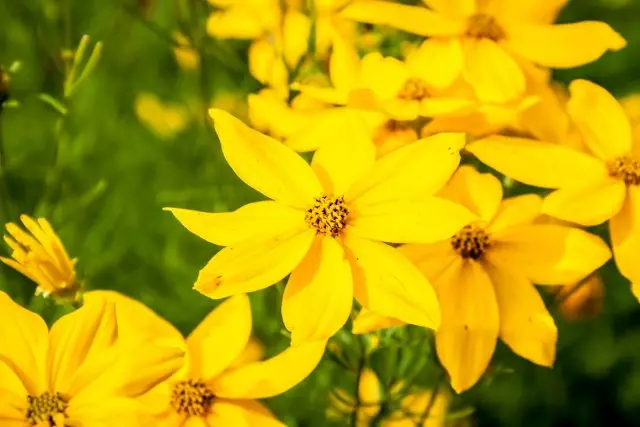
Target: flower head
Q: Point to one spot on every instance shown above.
(163, 119)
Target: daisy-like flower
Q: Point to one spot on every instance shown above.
(596, 185)
(163, 119)
(325, 225)
(77, 374)
(38, 253)
(486, 42)
(483, 276)
(223, 373)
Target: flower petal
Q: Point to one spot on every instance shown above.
(400, 174)
(563, 46)
(271, 377)
(525, 324)
(467, 337)
(255, 221)
(235, 23)
(431, 259)
(387, 283)
(481, 193)
(415, 20)
(446, 52)
(264, 163)
(369, 321)
(537, 163)
(228, 326)
(549, 254)
(600, 118)
(253, 265)
(515, 211)
(625, 236)
(461, 8)
(296, 28)
(428, 220)
(344, 64)
(493, 74)
(319, 295)
(241, 413)
(534, 11)
(587, 205)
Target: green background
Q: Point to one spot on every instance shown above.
(102, 178)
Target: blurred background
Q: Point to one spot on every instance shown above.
(135, 139)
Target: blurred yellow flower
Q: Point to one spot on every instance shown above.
(487, 42)
(594, 186)
(483, 276)
(39, 254)
(164, 120)
(186, 56)
(581, 300)
(342, 403)
(415, 406)
(326, 224)
(392, 135)
(77, 373)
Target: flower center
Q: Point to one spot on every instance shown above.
(483, 26)
(192, 398)
(626, 169)
(471, 241)
(328, 215)
(47, 408)
(414, 89)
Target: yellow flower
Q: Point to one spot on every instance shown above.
(486, 42)
(164, 120)
(342, 403)
(581, 300)
(392, 135)
(483, 276)
(39, 254)
(223, 375)
(593, 187)
(414, 407)
(325, 225)
(186, 56)
(77, 373)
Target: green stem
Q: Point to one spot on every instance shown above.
(361, 365)
(430, 405)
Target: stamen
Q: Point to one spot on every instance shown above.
(626, 169)
(483, 26)
(414, 89)
(328, 215)
(192, 398)
(46, 408)
(471, 241)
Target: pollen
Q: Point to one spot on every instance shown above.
(414, 89)
(192, 398)
(328, 215)
(471, 241)
(626, 169)
(483, 26)
(48, 409)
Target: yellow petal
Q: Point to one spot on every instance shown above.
(459, 8)
(344, 65)
(370, 321)
(387, 283)
(384, 76)
(600, 118)
(534, 11)
(253, 352)
(467, 337)
(296, 27)
(415, 20)
(271, 114)
(446, 52)
(428, 220)
(27, 334)
(98, 411)
(255, 221)
(586, 205)
(538, 163)
(481, 193)
(264, 163)
(235, 23)
(240, 413)
(525, 324)
(625, 236)
(271, 377)
(253, 265)
(228, 326)
(517, 210)
(266, 65)
(338, 163)
(13, 403)
(563, 46)
(319, 295)
(549, 254)
(328, 95)
(437, 106)
(400, 174)
(493, 74)
(432, 259)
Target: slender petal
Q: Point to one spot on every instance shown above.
(101, 411)
(459, 8)
(432, 259)
(515, 211)
(241, 413)
(236, 23)
(344, 65)
(625, 236)
(538, 163)
(319, 295)
(296, 28)
(264, 163)
(529, 11)
(370, 321)
(271, 377)
(253, 265)
(12, 397)
(446, 52)
(481, 193)
(228, 326)
(387, 283)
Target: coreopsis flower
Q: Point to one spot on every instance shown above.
(223, 373)
(77, 373)
(165, 120)
(38, 253)
(487, 42)
(186, 56)
(483, 276)
(592, 187)
(325, 225)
